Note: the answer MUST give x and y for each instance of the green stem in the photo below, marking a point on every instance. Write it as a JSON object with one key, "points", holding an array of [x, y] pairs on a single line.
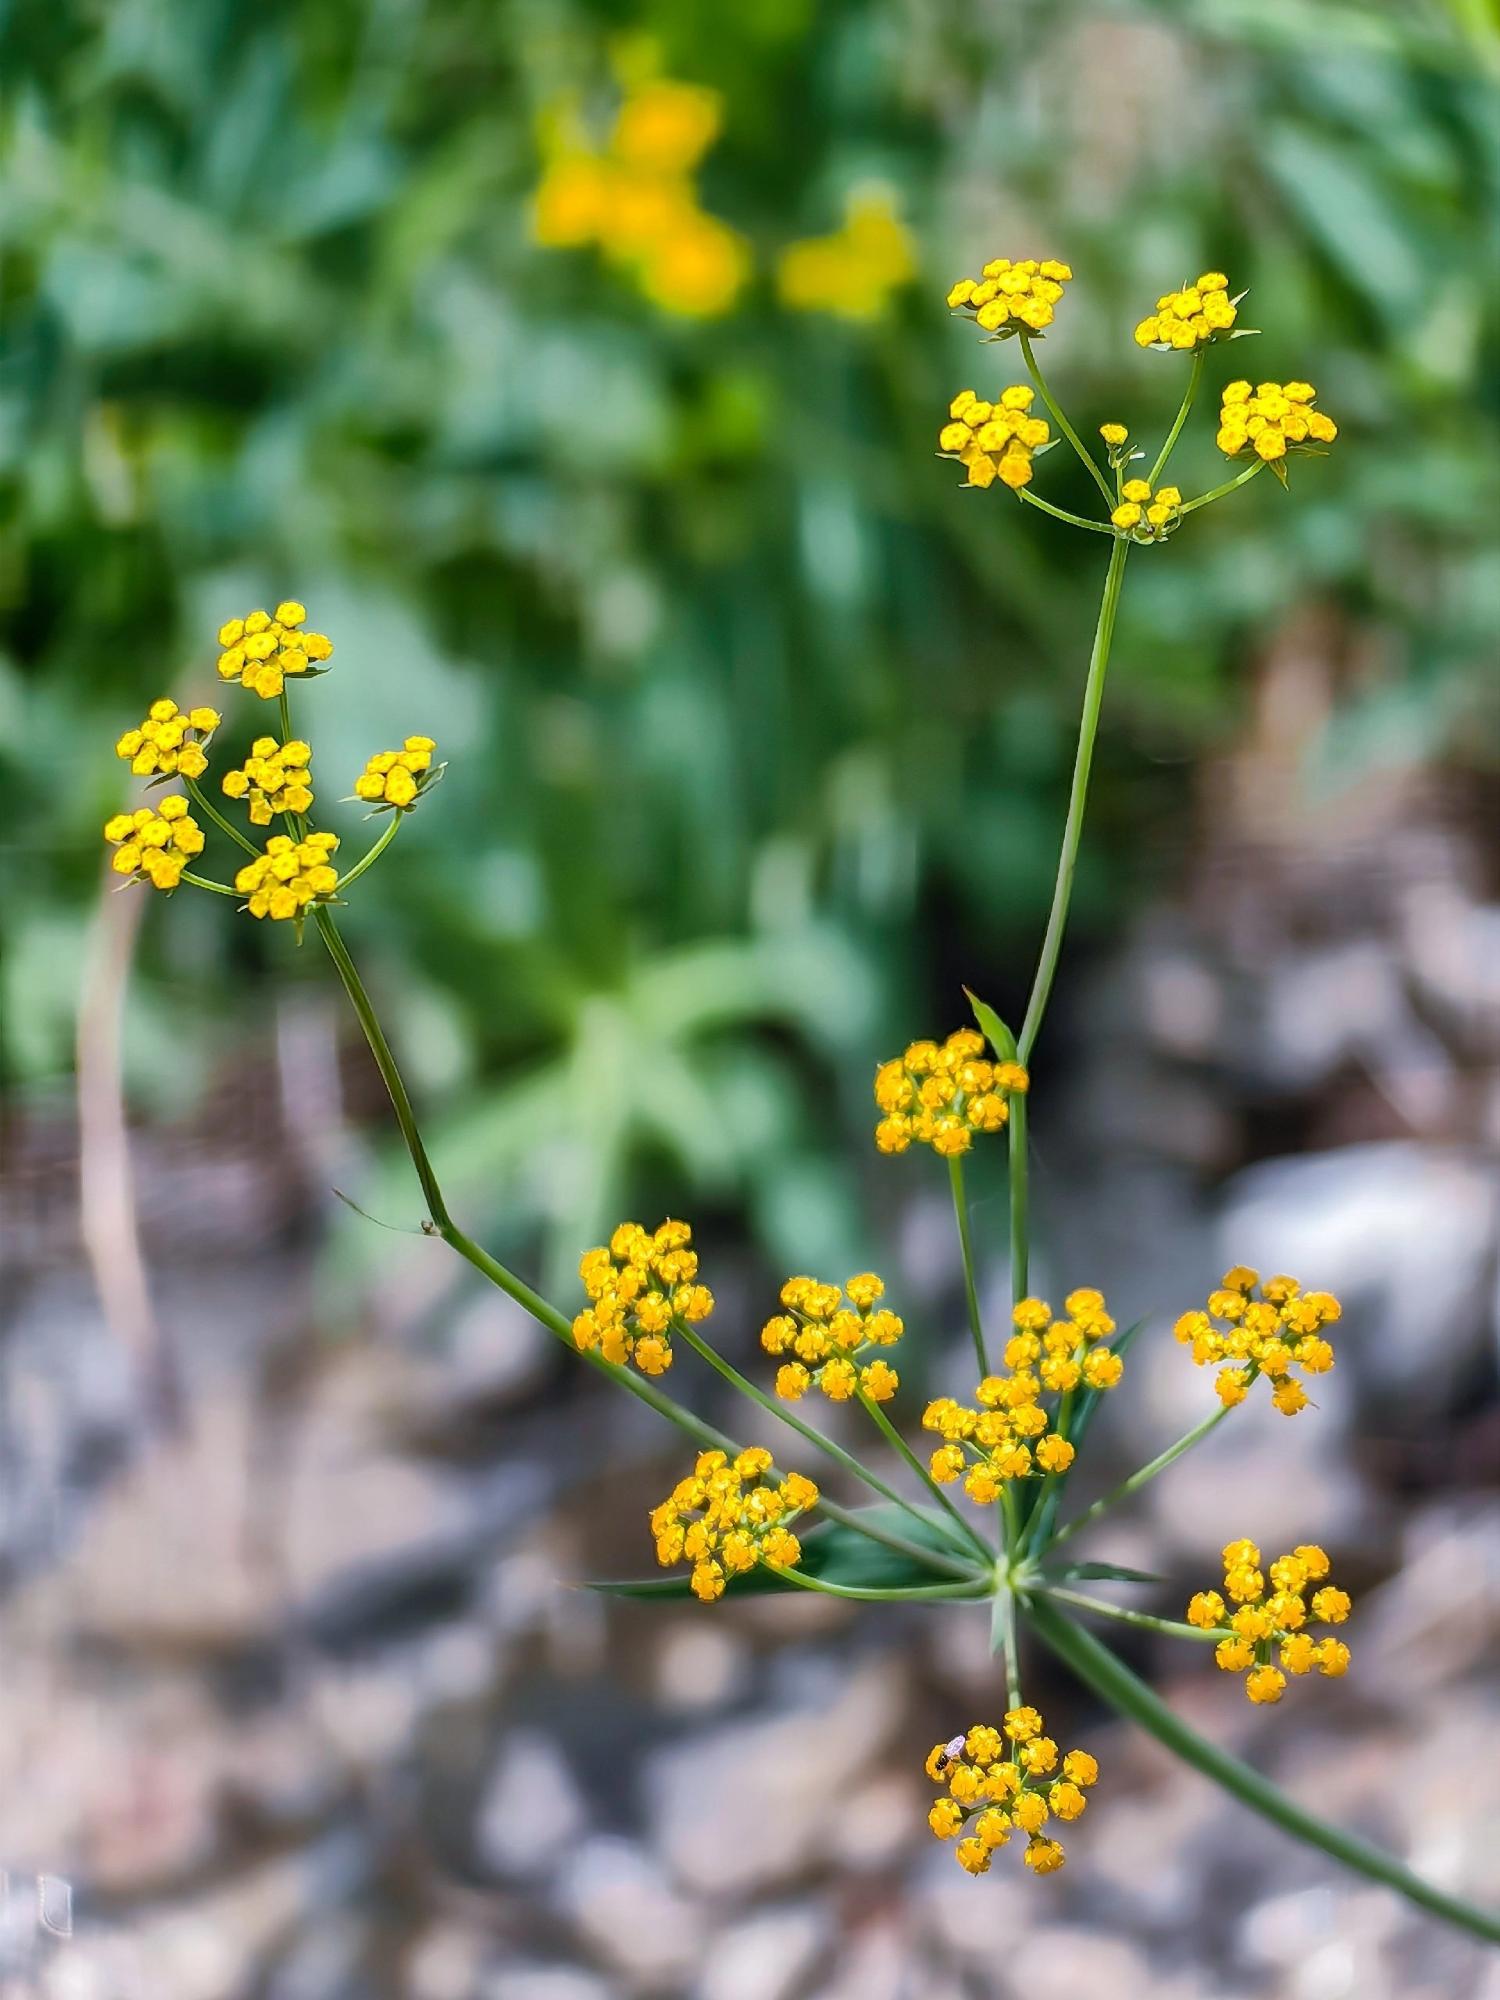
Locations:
{"points": [[1139, 1479], [374, 853], [1061, 421], [917, 1592], [1061, 513], [1093, 697], [1004, 1639], [1020, 1259], [1115, 1684], [966, 1248], [1218, 492], [206, 805], [1126, 1616], [202, 882], [1188, 396], [812, 1436], [893, 1437]]}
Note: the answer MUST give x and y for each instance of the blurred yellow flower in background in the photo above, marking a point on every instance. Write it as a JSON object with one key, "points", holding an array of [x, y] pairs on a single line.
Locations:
{"points": [[853, 272]]}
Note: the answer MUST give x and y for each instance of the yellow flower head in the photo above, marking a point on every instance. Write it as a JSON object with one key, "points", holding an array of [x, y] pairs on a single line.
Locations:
{"points": [[1146, 516], [853, 273], [1266, 1636], [275, 777], [289, 876], [1248, 1329], [1271, 421], [731, 1514], [1008, 298], [262, 652], [994, 440], [825, 1337], [665, 127], [399, 777], [941, 1094], [168, 742], [1192, 318], [155, 843], [1006, 1781], [639, 1284]]}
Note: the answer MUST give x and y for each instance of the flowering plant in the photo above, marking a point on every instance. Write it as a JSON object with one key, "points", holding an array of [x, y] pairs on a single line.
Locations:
{"points": [[979, 1515]]}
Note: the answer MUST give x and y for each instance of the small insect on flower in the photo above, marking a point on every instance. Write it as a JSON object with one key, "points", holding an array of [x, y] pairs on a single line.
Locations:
{"points": [[1008, 298], [941, 1094], [155, 843], [829, 1338], [731, 1514], [262, 651], [640, 1284], [994, 440], [1271, 421], [275, 777], [167, 742], [1146, 516], [399, 777], [1003, 1781], [1270, 1619], [1265, 1330], [1192, 318]]}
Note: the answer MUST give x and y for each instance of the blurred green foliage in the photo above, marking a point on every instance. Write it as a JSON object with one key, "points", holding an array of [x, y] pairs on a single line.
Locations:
{"points": [[758, 725]]}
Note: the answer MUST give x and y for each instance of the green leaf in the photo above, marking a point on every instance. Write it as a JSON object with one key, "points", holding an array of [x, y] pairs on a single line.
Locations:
{"points": [[831, 1553], [1098, 1572], [1001, 1040]]}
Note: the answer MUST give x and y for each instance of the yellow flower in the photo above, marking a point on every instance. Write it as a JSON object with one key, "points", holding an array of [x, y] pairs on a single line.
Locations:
{"points": [[1114, 435], [697, 268], [289, 876], [155, 843], [639, 1285], [994, 440], [1008, 298], [830, 1333], [992, 1791], [1192, 318], [1272, 420], [1146, 516], [730, 1515], [942, 1094], [262, 651], [854, 272], [275, 777], [168, 742], [1261, 1330], [665, 127], [399, 777], [1269, 1637]]}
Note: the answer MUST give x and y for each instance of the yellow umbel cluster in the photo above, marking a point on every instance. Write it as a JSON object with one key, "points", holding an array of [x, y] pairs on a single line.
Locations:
{"points": [[730, 1515], [1273, 1619], [1008, 298], [830, 1339], [169, 743], [1007, 1436], [397, 777], [941, 1093], [1005, 1781], [289, 876], [263, 650], [638, 1283], [1270, 420], [275, 777], [1268, 1330], [1146, 516], [636, 202], [854, 272], [1191, 318], [994, 440], [155, 843]]}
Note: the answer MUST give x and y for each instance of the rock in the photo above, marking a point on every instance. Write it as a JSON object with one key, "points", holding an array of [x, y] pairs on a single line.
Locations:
{"points": [[698, 1666], [1068, 1963], [621, 1903], [769, 1957], [544, 1982], [529, 1809]]}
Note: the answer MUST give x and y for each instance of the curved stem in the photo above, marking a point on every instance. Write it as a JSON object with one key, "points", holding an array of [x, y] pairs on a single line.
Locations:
{"points": [[374, 853], [1218, 492], [1061, 421], [893, 1437], [1093, 697], [1188, 396], [1139, 1479], [1061, 513], [1020, 1259], [966, 1249], [917, 1592], [207, 807], [202, 882], [1126, 1616], [1115, 1684]]}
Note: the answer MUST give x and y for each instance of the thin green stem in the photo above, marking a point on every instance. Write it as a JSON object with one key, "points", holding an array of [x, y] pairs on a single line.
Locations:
{"points": [[966, 1249], [1093, 697], [1061, 513], [1115, 1684], [1142, 1478], [1126, 1616], [1061, 421], [374, 853], [1020, 1257], [206, 805], [202, 882], [811, 1434], [1218, 492], [894, 1438], [916, 1592], [1004, 1638], [1189, 395]]}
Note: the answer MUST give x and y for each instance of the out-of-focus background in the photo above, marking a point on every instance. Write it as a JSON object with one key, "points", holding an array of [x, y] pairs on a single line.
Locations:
{"points": [[595, 423]]}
